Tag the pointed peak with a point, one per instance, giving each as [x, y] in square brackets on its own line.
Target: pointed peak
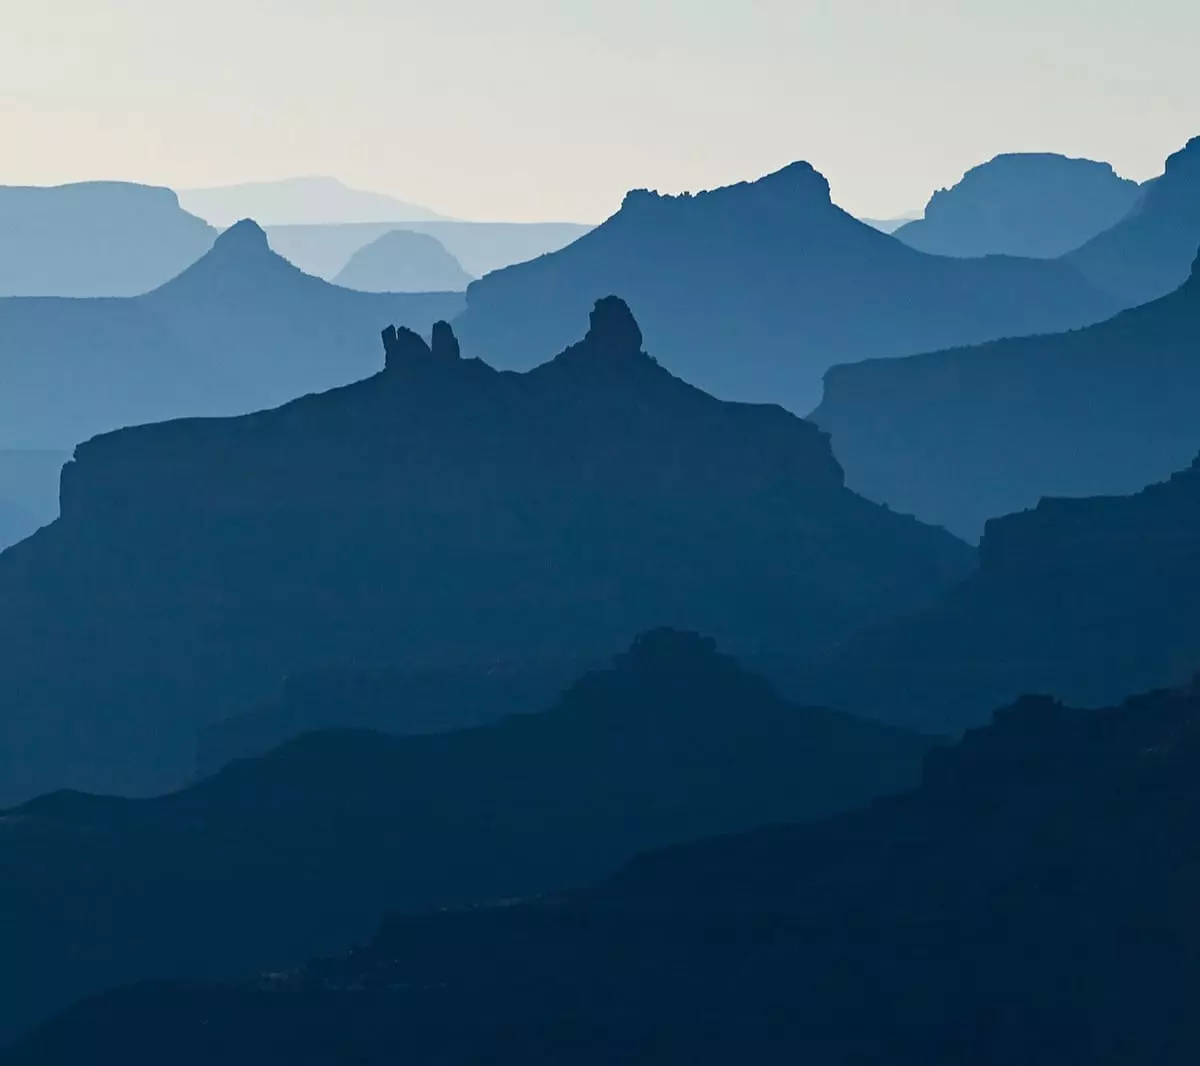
[613, 327]
[243, 236]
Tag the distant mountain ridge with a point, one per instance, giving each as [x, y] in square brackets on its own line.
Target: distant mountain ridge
[100, 238]
[1149, 253]
[438, 513]
[305, 201]
[306, 849]
[961, 436]
[754, 290]
[404, 261]
[1039, 205]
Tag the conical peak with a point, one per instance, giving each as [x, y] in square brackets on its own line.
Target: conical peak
[613, 327]
[798, 182]
[242, 237]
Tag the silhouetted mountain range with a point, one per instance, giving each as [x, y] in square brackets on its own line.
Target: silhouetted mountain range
[299, 201]
[404, 261]
[100, 238]
[962, 436]
[480, 247]
[239, 330]
[753, 291]
[1032, 902]
[29, 491]
[1085, 599]
[1027, 204]
[306, 849]
[440, 512]
[430, 700]
[1149, 253]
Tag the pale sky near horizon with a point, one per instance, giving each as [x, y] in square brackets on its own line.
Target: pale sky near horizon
[532, 109]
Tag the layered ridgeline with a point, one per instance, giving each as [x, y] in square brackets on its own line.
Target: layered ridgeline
[237, 331]
[439, 512]
[1032, 902]
[1148, 254]
[752, 291]
[961, 436]
[102, 238]
[1086, 599]
[403, 261]
[306, 849]
[1039, 205]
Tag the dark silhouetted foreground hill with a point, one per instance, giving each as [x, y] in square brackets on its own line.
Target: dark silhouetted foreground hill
[751, 292]
[962, 436]
[430, 700]
[404, 261]
[1027, 204]
[237, 331]
[102, 238]
[306, 849]
[1032, 902]
[480, 247]
[16, 523]
[1086, 599]
[1148, 254]
[303, 201]
[441, 512]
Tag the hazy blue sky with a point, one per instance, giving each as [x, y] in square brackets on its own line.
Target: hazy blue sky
[536, 109]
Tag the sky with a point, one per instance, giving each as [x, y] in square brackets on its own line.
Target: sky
[540, 110]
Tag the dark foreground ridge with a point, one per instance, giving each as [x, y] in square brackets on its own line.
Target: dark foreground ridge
[306, 849]
[1032, 902]
[440, 512]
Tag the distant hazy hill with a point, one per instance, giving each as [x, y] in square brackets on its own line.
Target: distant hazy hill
[441, 512]
[306, 849]
[404, 261]
[962, 436]
[298, 201]
[237, 331]
[94, 239]
[1032, 902]
[1086, 599]
[480, 247]
[1149, 253]
[1028, 204]
[753, 291]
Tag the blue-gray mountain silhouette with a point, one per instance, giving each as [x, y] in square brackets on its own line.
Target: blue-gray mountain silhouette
[753, 291]
[16, 523]
[29, 489]
[1033, 902]
[1085, 599]
[239, 330]
[440, 512]
[101, 238]
[299, 201]
[1149, 253]
[306, 849]
[1025, 204]
[403, 261]
[962, 436]
[480, 247]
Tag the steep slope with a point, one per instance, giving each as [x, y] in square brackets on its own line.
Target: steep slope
[1148, 253]
[962, 436]
[403, 261]
[441, 512]
[16, 523]
[102, 238]
[306, 849]
[1086, 599]
[751, 292]
[239, 330]
[305, 201]
[1028, 204]
[1032, 902]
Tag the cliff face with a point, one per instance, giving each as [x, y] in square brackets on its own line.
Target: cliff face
[752, 291]
[961, 436]
[440, 512]
[1032, 901]
[1084, 599]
